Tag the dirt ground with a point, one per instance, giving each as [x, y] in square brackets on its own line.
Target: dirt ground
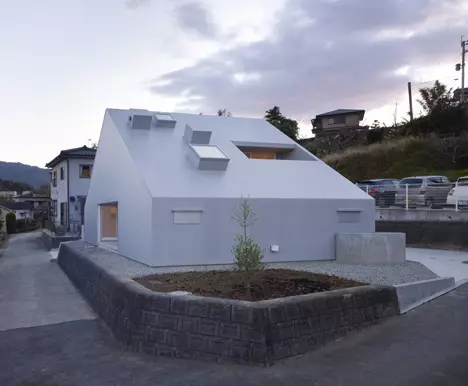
[261, 285]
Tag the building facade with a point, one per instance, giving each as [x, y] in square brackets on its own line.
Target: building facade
[341, 121]
[70, 174]
[165, 187]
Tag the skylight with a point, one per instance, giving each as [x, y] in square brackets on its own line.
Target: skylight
[209, 151]
[164, 117]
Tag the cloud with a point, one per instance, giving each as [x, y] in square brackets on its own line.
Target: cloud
[134, 4]
[322, 55]
[193, 17]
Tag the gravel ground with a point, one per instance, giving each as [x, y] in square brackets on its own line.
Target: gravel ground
[391, 274]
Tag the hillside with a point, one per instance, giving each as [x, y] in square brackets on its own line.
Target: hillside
[31, 175]
[403, 157]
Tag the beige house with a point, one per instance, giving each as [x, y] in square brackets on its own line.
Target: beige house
[341, 121]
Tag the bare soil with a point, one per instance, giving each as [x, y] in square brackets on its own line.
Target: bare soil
[261, 285]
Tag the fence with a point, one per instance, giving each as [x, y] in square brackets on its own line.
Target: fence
[73, 228]
[414, 196]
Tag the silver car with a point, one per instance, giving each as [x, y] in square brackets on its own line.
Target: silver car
[423, 190]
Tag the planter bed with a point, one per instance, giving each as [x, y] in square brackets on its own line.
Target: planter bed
[239, 285]
[225, 330]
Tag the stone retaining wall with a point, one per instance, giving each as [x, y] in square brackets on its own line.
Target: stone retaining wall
[217, 329]
[429, 233]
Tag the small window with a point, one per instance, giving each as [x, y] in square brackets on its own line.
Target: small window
[187, 216]
[260, 155]
[108, 219]
[62, 173]
[337, 120]
[85, 171]
[54, 178]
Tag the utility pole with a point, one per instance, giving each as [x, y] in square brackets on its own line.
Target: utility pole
[461, 67]
[410, 95]
[463, 44]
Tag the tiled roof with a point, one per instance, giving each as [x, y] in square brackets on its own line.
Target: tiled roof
[77, 152]
[341, 111]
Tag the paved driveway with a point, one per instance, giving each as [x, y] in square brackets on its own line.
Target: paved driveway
[425, 347]
[34, 291]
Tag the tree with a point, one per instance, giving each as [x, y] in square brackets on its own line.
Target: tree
[285, 125]
[223, 113]
[247, 253]
[436, 99]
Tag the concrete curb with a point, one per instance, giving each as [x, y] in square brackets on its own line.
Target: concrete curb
[412, 295]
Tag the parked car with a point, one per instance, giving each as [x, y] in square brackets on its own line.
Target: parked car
[382, 190]
[459, 192]
[423, 190]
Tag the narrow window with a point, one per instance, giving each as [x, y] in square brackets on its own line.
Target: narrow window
[62, 173]
[108, 219]
[54, 178]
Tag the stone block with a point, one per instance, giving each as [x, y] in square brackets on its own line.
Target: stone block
[179, 305]
[298, 346]
[240, 350]
[371, 248]
[250, 334]
[199, 308]
[176, 339]
[231, 331]
[279, 350]
[168, 321]
[208, 327]
[150, 318]
[220, 312]
[197, 342]
[156, 335]
[157, 303]
[241, 314]
[281, 331]
[187, 324]
[219, 346]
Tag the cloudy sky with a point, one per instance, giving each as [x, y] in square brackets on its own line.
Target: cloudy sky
[64, 61]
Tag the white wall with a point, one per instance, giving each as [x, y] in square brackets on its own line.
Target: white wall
[116, 179]
[60, 192]
[78, 186]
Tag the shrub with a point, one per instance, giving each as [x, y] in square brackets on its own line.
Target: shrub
[20, 225]
[10, 219]
[247, 253]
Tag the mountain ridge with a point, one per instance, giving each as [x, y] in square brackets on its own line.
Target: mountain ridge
[19, 172]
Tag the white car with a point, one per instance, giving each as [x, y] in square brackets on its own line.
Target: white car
[459, 192]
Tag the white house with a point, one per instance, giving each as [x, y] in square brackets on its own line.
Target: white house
[70, 175]
[22, 210]
[165, 184]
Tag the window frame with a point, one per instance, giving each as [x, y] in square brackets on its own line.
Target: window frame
[62, 173]
[82, 166]
[54, 178]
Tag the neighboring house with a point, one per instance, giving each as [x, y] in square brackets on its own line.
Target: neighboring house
[165, 185]
[457, 94]
[70, 174]
[22, 210]
[7, 194]
[40, 203]
[341, 121]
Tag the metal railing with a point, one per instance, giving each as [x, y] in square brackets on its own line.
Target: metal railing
[414, 196]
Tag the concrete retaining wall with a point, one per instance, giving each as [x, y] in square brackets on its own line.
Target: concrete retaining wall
[429, 233]
[420, 214]
[217, 329]
[370, 248]
[52, 242]
[414, 294]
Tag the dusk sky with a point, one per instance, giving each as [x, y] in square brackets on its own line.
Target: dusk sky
[64, 62]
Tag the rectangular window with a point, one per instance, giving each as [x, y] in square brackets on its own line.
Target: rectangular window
[187, 216]
[63, 213]
[85, 171]
[339, 120]
[62, 173]
[260, 155]
[54, 178]
[53, 208]
[108, 219]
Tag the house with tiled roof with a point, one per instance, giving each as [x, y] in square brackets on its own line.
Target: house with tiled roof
[341, 121]
[70, 174]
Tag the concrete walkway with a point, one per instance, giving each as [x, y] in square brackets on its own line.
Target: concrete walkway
[34, 291]
[442, 263]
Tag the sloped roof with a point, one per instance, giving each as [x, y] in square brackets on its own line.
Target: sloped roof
[84, 152]
[160, 156]
[342, 111]
[16, 205]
